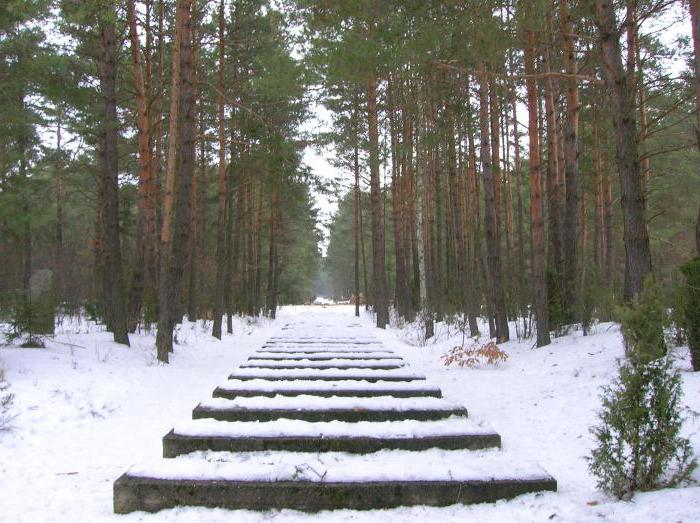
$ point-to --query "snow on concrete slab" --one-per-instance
(317, 338)
(398, 374)
(321, 350)
(452, 426)
(325, 364)
(314, 386)
(266, 355)
(387, 465)
(313, 403)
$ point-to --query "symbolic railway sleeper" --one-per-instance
(314, 422)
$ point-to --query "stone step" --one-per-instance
(319, 351)
(321, 339)
(326, 374)
(312, 408)
(349, 343)
(312, 482)
(254, 363)
(302, 436)
(326, 355)
(362, 389)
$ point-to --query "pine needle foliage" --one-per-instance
(6, 401)
(691, 306)
(639, 446)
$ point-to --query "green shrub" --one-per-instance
(691, 306)
(677, 315)
(31, 320)
(643, 324)
(6, 400)
(638, 438)
(557, 315)
(638, 442)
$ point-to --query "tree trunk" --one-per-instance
(364, 255)
(379, 291)
(522, 300)
(202, 258)
(609, 253)
(492, 243)
(144, 239)
(183, 201)
(156, 188)
(598, 195)
(410, 196)
(272, 256)
(114, 302)
(621, 93)
(222, 189)
(401, 289)
(539, 277)
(193, 239)
(571, 153)
(59, 265)
(555, 190)
(473, 220)
(456, 206)
(695, 21)
(167, 292)
(356, 210)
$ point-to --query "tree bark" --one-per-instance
(609, 253)
(222, 189)
(620, 86)
(695, 21)
(401, 289)
(144, 238)
(492, 242)
(458, 235)
(356, 211)
(114, 300)
(59, 253)
(521, 283)
(539, 277)
(164, 339)
(379, 290)
(272, 257)
(571, 167)
(598, 194)
(474, 220)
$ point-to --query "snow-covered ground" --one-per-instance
(88, 409)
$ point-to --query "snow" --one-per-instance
(90, 410)
(318, 350)
(321, 385)
(323, 301)
(368, 374)
(307, 402)
(454, 425)
(337, 363)
(267, 355)
(385, 465)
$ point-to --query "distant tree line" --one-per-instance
(539, 158)
(150, 157)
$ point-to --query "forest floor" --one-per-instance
(87, 409)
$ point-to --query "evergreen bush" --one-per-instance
(557, 314)
(643, 324)
(677, 315)
(638, 443)
(31, 320)
(639, 446)
(6, 400)
(691, 306)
